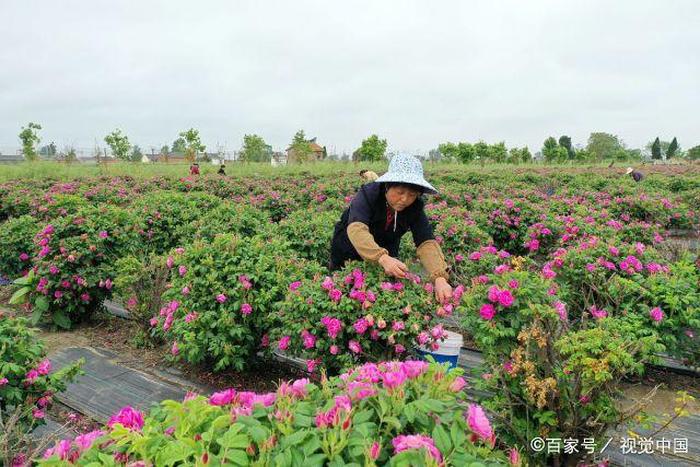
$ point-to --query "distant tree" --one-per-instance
(497, 152)
(119, 144)
(136, 154)
(552, 152)
(193, 144)
(693, 153)
(255, 149)
(672, 148)
(656, 149)
(179, 146)
(481, 151)
(49, 150)
(165, 149)
(372, 149)
(519, 155)
(603, 145)
(300, 149)
(434, 155)
(69, 155)
(462, 152)
(565, 142)
(30, 139)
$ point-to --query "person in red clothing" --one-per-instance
(194, 169)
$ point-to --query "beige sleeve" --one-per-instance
(432, 259)
(364, 243)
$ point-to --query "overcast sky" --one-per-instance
(417, 73)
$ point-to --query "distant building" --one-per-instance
(318, 152)
(11, 158)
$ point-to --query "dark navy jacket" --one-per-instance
(369, 206)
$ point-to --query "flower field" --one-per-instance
(567, 280)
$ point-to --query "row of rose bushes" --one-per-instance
(73, 265)
(227, 298)
(392, 413)
(166, 216)
(28, 385)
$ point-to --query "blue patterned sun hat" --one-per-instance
(404, 168)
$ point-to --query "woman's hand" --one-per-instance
(393, 267)
(443, 290)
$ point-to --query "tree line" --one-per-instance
(599, 146)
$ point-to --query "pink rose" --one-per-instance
(656, 314)
(487, 311)
(458, 384)
(479, 424)
(129, 418)
(246, 309)
(493, 294)
(505, 298)
(221, 298)
(222, 397)
(354, 346)
(284, 343)
(406, 442)
(44, 367)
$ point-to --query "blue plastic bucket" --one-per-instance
(448, 350)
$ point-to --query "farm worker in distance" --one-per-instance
(368, 176)
(194, 169)
(635, 174)
(222, 170)
(380, 214)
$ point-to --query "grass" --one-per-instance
(62, 171)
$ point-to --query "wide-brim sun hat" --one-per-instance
(629, 170)
(404, 168)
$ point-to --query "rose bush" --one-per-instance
(392, 413)
(28, 383)
(73, 259)
(16, 245)
(309, 233)
(221, 295)
(545, 374)
(356, 315)
(164, 214)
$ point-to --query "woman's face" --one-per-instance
(400, 197)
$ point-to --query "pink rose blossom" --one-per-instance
(505, 298)
(458, 384)
(656, 314)
(129, 417)
(335, 295)
(44, 367)
(406, 442)
(222, 397)
(354, 346)
(221, 298)
(284, 343)
(598, 313)
(493, 294)
(374, 451)
(487, 311)
(31, 376)
(182, 270)
(479, 424)
(246, 309)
